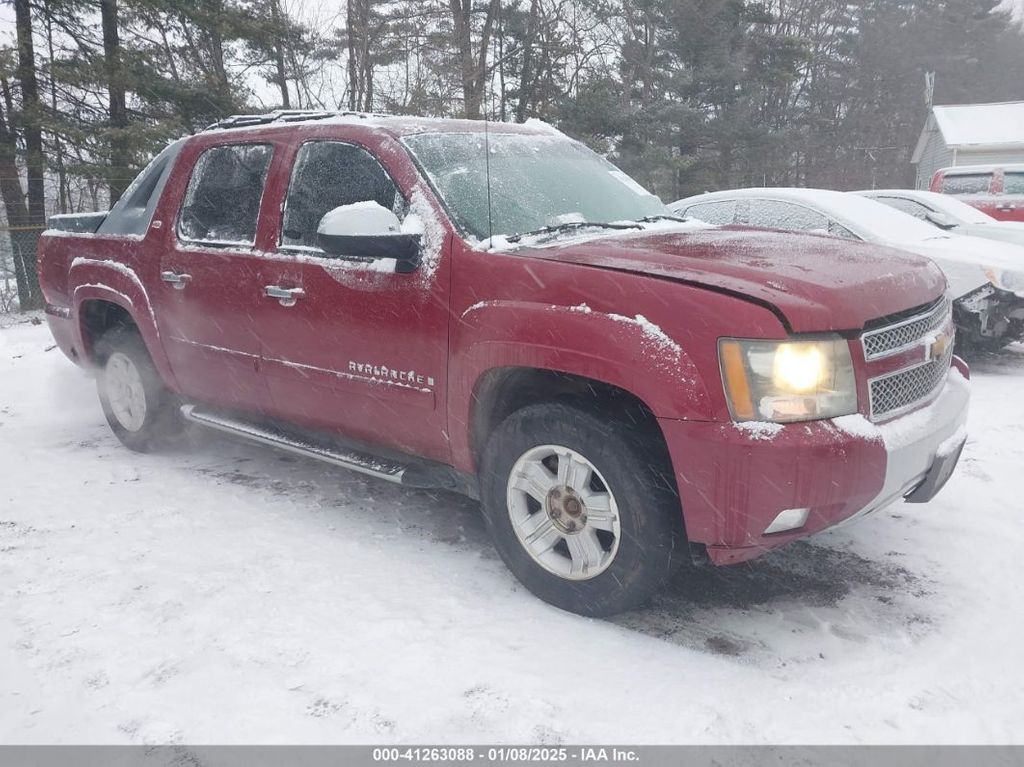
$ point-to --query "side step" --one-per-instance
(402, 470)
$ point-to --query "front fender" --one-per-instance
(116, 283)
(627, 352)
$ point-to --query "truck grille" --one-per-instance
(892, 339)
(897, 392)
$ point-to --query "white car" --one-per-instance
(949, 214)
(986, 278)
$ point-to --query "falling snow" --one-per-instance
(344, 609)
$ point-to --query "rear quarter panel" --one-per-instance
(76, 268)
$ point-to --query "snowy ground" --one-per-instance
(228, 593)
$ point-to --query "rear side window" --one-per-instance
(328, 174)
(222, 203)
(1013, 183)
(838, 230)
(967, 183)
(776, 214)
(719, 213)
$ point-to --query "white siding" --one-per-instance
(936, 155)
(974, 157)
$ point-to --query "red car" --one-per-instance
(997, 190)
(504, 313)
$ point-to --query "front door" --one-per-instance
(351, 346)
(208, 291)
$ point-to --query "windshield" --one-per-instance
(536, 181)
(957, 210)
(877, 221)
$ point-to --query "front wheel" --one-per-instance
(580, 508)
(140, 410)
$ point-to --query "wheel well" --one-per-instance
(503, 391)
(97, 317)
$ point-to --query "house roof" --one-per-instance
(976, 126)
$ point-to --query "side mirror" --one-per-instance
(366, 231)
(940, 220)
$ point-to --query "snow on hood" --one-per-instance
(818, 283)
(970, 262)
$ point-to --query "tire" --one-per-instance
(139, 409)
(615, 473)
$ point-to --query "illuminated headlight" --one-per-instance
(786, 381)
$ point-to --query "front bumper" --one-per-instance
(734, 482)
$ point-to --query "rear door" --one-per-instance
(209, 272)
(719, 213)
(779, 214)
(350, 346)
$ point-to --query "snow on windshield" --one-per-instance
(960, 211)
(876, 220)
(536, 181)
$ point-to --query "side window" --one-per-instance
(915, 209)
(222, 203)
(776, 214)
(140, 192)
(1013, 183)
(719, 213)
(967, 183)
(328, 174)
(838, 230)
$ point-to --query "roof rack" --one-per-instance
(283, 116)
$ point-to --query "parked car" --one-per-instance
(986, 278)
(621, 397)
(997, 190)
(949, 214)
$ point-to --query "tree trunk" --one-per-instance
(473, 65)
(526, 83)
(356, 66)
(58, 150)
(214, 14)
(120, 161)
(35, 162)
(282, 79)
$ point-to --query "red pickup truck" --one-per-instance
(499, 311)
(997, 190)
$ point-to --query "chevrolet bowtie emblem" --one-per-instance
(938, 348)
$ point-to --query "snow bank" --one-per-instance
(340, 609)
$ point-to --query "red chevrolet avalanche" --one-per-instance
(505, 314)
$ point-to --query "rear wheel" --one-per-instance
(580, 509)
(138, 407)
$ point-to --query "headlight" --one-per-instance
(1012, 280)
(785, 381)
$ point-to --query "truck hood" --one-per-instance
(817, 283)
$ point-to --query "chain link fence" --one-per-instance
(19, 283)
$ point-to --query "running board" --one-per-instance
(414, 472)
(390, 471)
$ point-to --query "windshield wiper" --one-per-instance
(571, 226)
(662, 217)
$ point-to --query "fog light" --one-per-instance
(790, 519)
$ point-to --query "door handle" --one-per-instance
(178, 280)
(284, 296)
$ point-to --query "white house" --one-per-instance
(970, 134)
